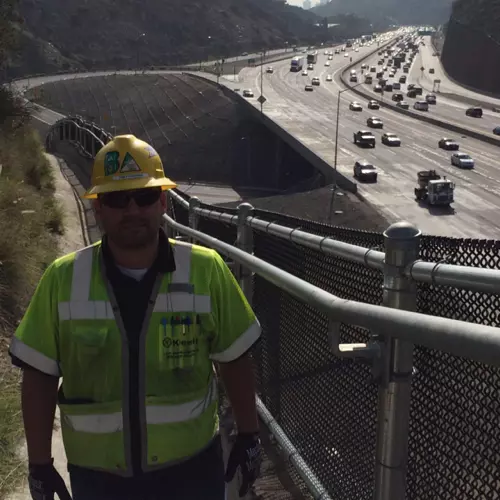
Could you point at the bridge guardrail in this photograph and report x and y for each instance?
(389, 346)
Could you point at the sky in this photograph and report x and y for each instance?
(300, 2)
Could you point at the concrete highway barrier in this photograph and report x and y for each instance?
(476, 134)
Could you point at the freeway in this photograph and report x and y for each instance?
(310, 117)
(446, 108)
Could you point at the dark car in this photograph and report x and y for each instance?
(398, 96)
(448, 144)
(475, 112)
(375, 122)
(374, 105)
(308, 88)
(364, 138)
(496, 130)
(365, 171)
(402, 79)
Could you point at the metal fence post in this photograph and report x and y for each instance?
(194, 218)
(402, 241)
(244, 241)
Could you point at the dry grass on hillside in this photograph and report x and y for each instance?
(29, 221)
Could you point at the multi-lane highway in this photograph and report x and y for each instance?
(446, 109)
(310, 116)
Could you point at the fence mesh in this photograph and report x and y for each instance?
(327, 406)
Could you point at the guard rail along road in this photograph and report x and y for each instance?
(378, 369)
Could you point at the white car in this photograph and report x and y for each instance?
(248, 93)
(346, 55)
(330, 58)
(390, 139)
(304, 73)
(462, 160)
(329, 78)
(327, 63)
(355, 106)
(356, 50)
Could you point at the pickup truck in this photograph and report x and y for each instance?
(364, 138)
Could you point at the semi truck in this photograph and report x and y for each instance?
(296, 64)
(312, 58)
(433, 189)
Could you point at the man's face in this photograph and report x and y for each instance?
(131, 219)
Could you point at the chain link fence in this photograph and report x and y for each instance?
(327, 405)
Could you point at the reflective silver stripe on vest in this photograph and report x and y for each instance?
(177, 300)
(155, 415)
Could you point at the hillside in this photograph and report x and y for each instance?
(471, 49)
(385, 12)
(95, 34)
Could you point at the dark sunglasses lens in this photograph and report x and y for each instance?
(121, 199)
(146, 197)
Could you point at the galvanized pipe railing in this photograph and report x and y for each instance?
(467, 278)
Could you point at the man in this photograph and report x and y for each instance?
(132, 325)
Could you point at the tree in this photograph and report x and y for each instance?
(8, 17)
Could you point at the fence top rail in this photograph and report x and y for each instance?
(469, 340)
(464, 277)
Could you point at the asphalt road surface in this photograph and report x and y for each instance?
(310, 116)
(446, 108)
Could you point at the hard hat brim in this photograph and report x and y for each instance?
(127, 185)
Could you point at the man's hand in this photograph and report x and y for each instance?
(44, 481)
(247, 455)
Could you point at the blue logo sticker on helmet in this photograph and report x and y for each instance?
(111, 162)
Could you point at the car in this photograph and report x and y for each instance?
(353, 78)
(364, 66)
(421, 106)
(403, 105)
(377, 88)
(402, 79)
(308, 88)
(373, 104)
(410, 86)
(431, 70)
(346, 54)
(373, 69)
(475, 112)
(364, 138)
(356, 50)
(355, 106)
(387, 87)
(248, 93)
(398, 96)
(380, 62)
(365, 171)
(368, 79)
(270, 69)
(396, 86)
(418, 90)
(448, 144)
(496, 131)
(329, 78)
(430, 98)
(375, 122)
(305, 73)
(337, 51)
(330, 58)
(327, 63)
(379, 74)
(310, 66)
(326, 52)
(462, 160)
(315, 81)
(390, 139)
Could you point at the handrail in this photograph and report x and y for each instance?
(470, 340)
(464, 277)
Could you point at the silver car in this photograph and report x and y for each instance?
(462, 160)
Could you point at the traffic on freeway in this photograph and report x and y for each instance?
(384, 73)
(311, 118)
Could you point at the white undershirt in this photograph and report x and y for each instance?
(137, 274)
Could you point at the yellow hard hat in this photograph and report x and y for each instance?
(126, 163)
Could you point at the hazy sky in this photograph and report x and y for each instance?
(300, 2)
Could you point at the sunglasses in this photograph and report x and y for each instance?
(121, 199)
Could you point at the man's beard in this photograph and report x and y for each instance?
(133, 233)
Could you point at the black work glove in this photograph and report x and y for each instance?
(44, 481)
(247, 455)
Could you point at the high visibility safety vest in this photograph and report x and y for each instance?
(73, 328)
